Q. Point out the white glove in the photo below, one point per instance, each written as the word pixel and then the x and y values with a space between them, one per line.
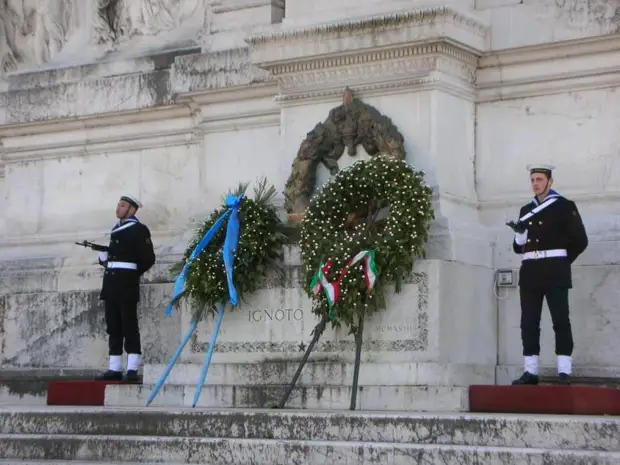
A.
pixel 103 256
pixel 521 238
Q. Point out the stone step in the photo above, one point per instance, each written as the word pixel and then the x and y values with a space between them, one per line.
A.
pixel 321 373
pixel 269 452
pixel 28 386
pixel 73 462
pixel 467 429
pixel 382 398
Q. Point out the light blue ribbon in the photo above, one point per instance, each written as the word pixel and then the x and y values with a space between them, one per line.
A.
pixel 230 246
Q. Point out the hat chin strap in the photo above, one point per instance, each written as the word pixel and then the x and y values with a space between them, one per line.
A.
pixel 127 215
pixel 545 191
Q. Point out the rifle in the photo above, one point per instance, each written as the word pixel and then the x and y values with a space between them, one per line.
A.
pixel 97 247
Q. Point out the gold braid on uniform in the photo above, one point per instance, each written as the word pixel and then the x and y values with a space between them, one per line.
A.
pixel 260 249
pixel 361 231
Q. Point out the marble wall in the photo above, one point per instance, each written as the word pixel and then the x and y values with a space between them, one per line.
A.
pixel 178 101
pixel 578 133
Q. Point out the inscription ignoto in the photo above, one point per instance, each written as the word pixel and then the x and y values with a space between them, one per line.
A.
pixel 281 314
pixel 291 325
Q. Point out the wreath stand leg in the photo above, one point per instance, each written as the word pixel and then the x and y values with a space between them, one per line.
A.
pixel 318 331
pixel 173 360
pixel 207 362
pixel 358 354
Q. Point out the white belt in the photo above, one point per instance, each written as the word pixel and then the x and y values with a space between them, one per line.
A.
pixel 544 254
pixel 122 265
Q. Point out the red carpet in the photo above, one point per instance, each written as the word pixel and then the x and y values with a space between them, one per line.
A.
pixel 78 392
pixel 577 400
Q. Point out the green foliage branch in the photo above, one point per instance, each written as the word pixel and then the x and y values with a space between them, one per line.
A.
pixel 262 236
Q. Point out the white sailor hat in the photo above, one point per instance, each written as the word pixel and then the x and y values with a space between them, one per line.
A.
pixel 540 168
pixel 132 201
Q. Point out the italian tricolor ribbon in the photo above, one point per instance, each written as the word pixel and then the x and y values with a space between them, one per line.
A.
pixel 320 282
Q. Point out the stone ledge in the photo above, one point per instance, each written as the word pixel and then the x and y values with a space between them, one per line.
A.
pixel 322 373
pixel 216 71
pixel 378 398
pixel 386 29
pixel 112 132
pixel 559 67
pixel 492 430
pixel 218 451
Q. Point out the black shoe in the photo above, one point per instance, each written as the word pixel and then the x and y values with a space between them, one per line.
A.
pixel 110 375
pixel 564 379
pixel 132 375
pixel 526 378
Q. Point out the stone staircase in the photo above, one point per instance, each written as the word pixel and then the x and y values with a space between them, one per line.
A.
pixel 273 437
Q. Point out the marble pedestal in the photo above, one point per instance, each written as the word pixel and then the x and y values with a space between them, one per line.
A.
pixel 421 353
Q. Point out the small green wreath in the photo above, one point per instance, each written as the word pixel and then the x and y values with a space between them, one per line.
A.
pixel 361 231
pixel 259 249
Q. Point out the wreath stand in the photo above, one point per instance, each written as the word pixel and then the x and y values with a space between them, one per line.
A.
pixel 317 333
pixel 318 330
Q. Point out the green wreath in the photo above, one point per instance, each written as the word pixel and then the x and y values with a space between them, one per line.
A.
pixel 361 231
pixel 259 249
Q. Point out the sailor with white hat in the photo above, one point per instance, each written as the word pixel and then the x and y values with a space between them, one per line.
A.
pixel 129 255
pixel 549 236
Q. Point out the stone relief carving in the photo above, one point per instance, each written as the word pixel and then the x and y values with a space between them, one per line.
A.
pixel 151 17
pixel 36 32
pixel 579 14
pixel 347 126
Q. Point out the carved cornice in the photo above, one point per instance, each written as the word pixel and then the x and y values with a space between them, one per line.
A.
pixel 407 26
pixel 425 47
pixel 382 70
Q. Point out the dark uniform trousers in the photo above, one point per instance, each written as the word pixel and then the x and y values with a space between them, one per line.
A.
pixel 121 286
pixel 556 227
pixel 121 318
pixel 531 312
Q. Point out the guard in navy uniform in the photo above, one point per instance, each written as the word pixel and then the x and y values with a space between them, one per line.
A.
pixel 549 236
pixel 129 255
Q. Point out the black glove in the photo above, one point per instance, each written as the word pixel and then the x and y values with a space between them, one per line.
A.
pixel 517 227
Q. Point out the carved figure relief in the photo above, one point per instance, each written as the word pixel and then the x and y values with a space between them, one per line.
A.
pixel 151 17
pixel 347 126
pixel 34 32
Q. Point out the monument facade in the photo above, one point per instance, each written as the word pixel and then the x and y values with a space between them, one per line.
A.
pixel 177 101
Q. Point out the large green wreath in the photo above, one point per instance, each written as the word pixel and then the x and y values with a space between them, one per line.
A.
pixel 259 249
pixel 381 205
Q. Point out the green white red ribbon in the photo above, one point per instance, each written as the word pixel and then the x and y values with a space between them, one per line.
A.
pixel 320 282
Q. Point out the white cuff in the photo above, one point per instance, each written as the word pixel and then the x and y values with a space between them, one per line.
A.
pixel 530 363
pixel 133 361
pixel 521 238
pixel 116 363
pixel 565 364
pixel 103 256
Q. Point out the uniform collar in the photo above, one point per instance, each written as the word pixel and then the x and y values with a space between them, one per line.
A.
pixel 551 195
pixel 131 219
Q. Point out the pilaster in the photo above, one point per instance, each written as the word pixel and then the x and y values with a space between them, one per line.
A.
pixel 417 67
